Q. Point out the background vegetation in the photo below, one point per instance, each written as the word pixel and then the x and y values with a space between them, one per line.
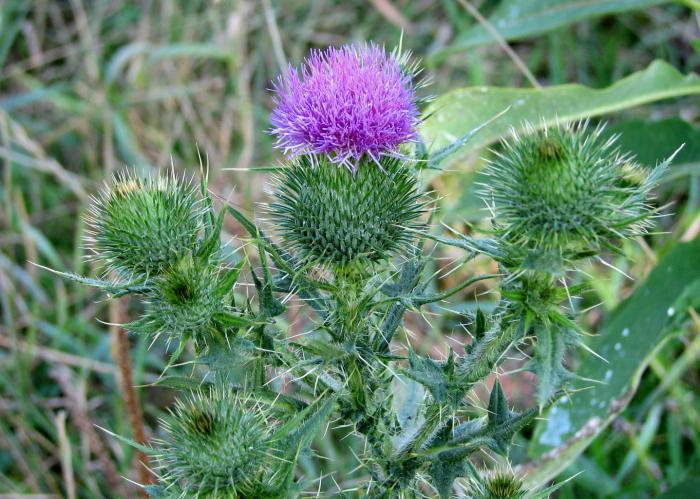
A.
pixel 88 88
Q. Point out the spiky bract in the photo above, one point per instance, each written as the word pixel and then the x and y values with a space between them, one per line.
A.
pixel 565 192
pixel 143 225
pixel 349 102
pixel 217 445
pixel 329 215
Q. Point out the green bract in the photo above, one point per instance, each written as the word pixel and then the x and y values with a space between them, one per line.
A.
pixel 216 447
pixel 564 193
pixel 142 226
pixel 332 216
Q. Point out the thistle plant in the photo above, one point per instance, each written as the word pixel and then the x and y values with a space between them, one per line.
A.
pixel 348 232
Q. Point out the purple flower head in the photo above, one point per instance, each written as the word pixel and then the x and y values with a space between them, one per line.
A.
pixel 347 102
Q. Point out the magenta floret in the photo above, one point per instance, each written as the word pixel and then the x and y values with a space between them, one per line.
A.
pixel 347 102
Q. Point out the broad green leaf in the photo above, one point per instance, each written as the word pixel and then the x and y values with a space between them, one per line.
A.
pixel 455 113
pixel 518 19
pixel 628 341
pixel 651 142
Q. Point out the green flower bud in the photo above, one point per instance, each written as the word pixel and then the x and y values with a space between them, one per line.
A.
pixel 504 486
pixel 497 484
pixel 190 300
pixel 142 226
pixel 564 193
pixel 217 445
pixel 332 216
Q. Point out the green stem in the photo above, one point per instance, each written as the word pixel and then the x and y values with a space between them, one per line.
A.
pixel 435 297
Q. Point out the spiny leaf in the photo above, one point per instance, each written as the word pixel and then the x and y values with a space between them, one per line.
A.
pixel 439 378
pixel 407 281
pixel 228 319
pixel 114 288
pixel 480 325
pixel 502 423
pixel 183 383
pixel 548 363
pixel 230 278
pixel 444 469
pixel 149 451
pixel 498 410
pixel 211 243
pixel 269 305
pixel 300 429
pixel 474 245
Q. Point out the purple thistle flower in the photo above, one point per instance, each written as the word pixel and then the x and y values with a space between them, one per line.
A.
pixel 347 102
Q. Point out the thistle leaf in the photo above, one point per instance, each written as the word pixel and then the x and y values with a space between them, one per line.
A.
pixel 228 319
pixel 181 383
pixel 498 410
pixel 269 305
pixel 479 325
pixel 211 243
pixel 299 430
pixel 295 435
pixel 116 289
pixel 445 468
pixel 548 363
pixel 439 378
pixel 502 423
pixel 230 278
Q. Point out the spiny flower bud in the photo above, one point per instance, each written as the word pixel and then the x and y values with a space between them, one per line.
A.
pixel 217 445
pixel 190 300
pixel 497 484
pixel 504 486
pixel 349 102
pixel 142 226
pixel 565 193
pixel 331 216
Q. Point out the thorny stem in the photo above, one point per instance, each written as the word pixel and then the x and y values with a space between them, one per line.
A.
pixel 408 280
